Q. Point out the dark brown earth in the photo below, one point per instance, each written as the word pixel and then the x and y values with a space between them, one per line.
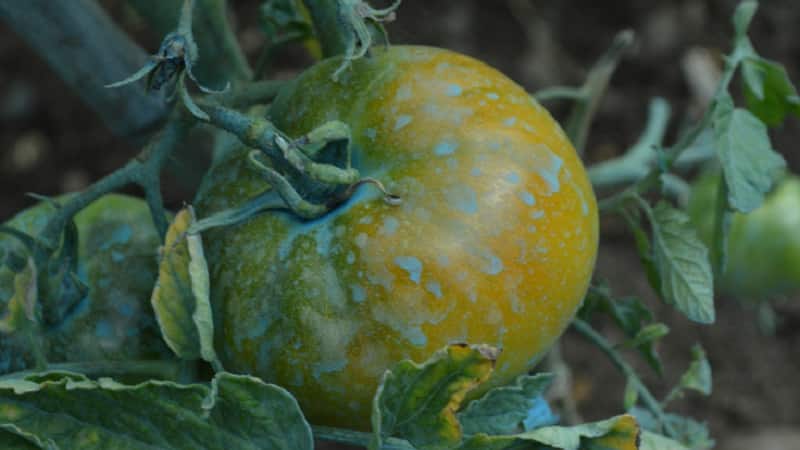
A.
pixel 50 142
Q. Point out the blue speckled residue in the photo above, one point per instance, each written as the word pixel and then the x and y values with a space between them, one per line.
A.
pixel 103 329
pixel 121 235
pixel 463 199
pixel 454 90
pixel 402 121
pixel 494 264
pixel 412 265
pixel 550 175
pixel 416 336
pixel 359 294
pixel 434 288
pixel 527 198
pixel 445 147
pixel 328 367
pixel 390 225
pixel 512 177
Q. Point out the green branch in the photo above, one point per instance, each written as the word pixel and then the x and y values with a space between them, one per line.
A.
pixel 87 50
pixel 637 162
pixel 143 170
pixel 593 89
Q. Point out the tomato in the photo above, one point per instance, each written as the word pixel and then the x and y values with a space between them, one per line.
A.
pixel 494 241
pixel 118 262
pixel 763 246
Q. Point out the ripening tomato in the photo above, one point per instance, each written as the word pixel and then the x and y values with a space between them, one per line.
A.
pixel 494 242
pixel 763 246
pixel 118 262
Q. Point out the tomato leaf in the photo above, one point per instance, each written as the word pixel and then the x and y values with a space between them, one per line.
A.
pixel 698 376
pixel 14 440
pixel 653 441
pixel 682 261
pixel 617 433
pixel 769 92
pixel 417 402
pixel 181 294
pixel 630 315
pixel 21 313
pixel 749 163
pixel 743 16
pixel 689 432
pixel 503 410
pixel 69 411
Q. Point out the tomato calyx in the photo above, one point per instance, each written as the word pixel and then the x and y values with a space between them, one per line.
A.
pixel 310 175
pixel 353 14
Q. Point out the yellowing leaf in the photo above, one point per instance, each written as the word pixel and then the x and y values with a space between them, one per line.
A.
pixel 417 402
pixel 181 294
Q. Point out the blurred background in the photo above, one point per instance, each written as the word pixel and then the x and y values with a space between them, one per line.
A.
pixel 50 143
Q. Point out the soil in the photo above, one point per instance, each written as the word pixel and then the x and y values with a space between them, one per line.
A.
pixel 50 142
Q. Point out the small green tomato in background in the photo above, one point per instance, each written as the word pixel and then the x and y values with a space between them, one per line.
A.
pixel 494 241
pixel 118 248
pixel 763 246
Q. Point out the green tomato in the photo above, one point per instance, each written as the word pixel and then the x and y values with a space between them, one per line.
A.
pixel 118 262
pixel 494 241
pixel 763 246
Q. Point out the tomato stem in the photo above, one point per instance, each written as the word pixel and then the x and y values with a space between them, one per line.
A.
pixel 588 332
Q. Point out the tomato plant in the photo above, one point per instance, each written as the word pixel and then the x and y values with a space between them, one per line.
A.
pixel 494 242
pixel 390 240
pixel 763 246
pixel 117 263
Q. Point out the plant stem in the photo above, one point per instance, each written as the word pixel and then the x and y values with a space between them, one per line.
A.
pixel 686 140
pixel 221 59
pixel 143 170
pixel 87 50
pixel 577 125
pixel 358 438
pixel 253 93
pixel 596 338
pixel 560 92
pixel 637 161
pixel 331 34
